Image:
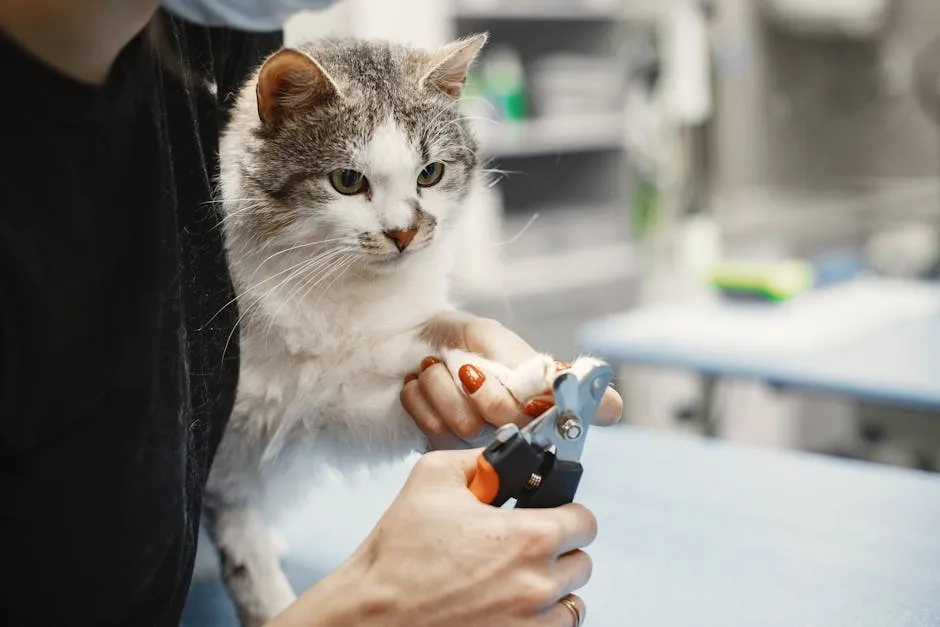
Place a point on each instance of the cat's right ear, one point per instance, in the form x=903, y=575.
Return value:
x=291, y=82
x=450, y=64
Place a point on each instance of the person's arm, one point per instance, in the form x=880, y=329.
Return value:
x=440, y=558
x=79, y=39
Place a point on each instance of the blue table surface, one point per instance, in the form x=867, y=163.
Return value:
x=897, y=364
x=695, y=533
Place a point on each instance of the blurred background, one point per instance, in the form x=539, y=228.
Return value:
x=735, y=202
x=710, y=159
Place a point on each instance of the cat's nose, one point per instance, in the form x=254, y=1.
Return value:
x=401, y=238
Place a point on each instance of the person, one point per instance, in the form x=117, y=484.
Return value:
x=115, y=384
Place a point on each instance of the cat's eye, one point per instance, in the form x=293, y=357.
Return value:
x=431, y=174
x=348, y=182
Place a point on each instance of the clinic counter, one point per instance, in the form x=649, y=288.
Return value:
x=695, y=533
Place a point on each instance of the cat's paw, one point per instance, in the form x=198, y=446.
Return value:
x=534, y=378
x=530, y=379
x=455, y=359
x=584, y=364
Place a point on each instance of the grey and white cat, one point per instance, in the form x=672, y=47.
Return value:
x=345, y=172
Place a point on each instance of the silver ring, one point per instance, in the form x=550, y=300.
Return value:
x=573, y=608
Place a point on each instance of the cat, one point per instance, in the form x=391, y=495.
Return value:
x=345, y=172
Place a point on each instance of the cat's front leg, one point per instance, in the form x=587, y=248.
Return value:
x=250, y=561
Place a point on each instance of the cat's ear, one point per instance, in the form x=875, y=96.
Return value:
x=449, y=65
x=291, y=82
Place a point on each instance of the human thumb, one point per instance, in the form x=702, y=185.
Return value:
x=448, y=467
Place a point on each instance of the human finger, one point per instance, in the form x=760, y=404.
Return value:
x=573, y=571
x=456, y=467
x=610, y=409
x=420, y=410
x=570, y=611
x=575, y=524
x=451, y=406
x=489, y=398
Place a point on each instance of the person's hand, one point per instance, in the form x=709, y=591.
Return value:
x=442, y=410
x=440, y=558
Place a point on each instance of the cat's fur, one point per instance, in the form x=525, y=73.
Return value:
x=332, y=316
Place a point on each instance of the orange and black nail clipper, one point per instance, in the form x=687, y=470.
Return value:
x=540, y=464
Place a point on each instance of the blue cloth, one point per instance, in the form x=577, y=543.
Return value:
x=894, y=362
x=246, y=15
x=692, y=534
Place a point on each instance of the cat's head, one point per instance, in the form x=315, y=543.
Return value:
x=357, y=145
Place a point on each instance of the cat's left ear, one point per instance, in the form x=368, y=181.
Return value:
x=291, y=82
x=450, y=64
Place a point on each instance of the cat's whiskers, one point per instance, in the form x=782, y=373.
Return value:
x=501, y=171
x=500, y=175
x=322, y=265
x=307, y=265
x=352, y=260
x=483, y=118
x=299, y=269
x=319, y=274
x=243, y=207
x=338, y=269
x=234, y=214
x=219, y=201
x=522, y=231
x=345, y=239
x=300, y=266
x=254, y=287
x=315, y=280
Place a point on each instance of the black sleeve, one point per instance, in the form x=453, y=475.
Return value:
x=113, y=389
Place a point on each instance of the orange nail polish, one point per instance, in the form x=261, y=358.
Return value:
x=428, y=362
x=562, y=365
x=536, y=407
x=410, y=377
x=471, y=378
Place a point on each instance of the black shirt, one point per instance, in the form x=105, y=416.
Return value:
x=114, y=385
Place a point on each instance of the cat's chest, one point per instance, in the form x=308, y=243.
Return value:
x=342, y=369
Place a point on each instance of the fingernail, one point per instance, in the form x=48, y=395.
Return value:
x=562, y=365
x=537, y=407
x=428, y=362
x=471, y=378
x=410, y=377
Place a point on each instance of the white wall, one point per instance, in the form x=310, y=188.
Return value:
x=800, y=114
x=424, y=23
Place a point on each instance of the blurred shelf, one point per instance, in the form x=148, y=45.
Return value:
x=553, y=135
x=576, y=245
x=568, y=11
x=570, y=269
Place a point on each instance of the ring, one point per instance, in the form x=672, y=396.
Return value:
x=573, y=608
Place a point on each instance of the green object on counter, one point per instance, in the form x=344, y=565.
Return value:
x=503, y=81
x=514, y=104
x=771, y=280
x=645, y=207
x=507, y=100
